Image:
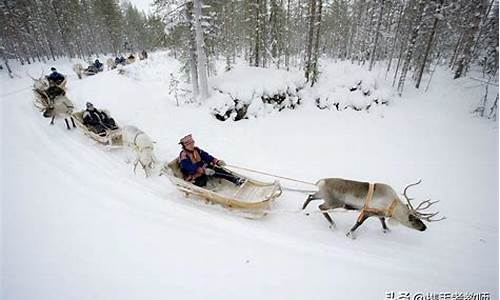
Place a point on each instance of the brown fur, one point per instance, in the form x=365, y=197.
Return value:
x=350, y=194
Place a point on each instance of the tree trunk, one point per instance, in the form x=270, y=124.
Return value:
x=398, y=27
x=315, y=63
x=310, y=38
x=192, y=50
x=377, y=31
x=6, y=62
x=482, y=25
x=287, y=47
x=470, y=34
x=411, y=46
x=202, y=59
x=455, y=52
x=257, y=34
x=429, y=43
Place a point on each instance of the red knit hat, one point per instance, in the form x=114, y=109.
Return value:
x=186, y=140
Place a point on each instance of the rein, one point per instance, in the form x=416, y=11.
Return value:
x=268, y=174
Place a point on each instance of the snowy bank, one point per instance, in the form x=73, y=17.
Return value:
x=343, y=85
x=251, y=91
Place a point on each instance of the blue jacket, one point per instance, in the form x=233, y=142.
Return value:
x=56, y=77
x=193, y=163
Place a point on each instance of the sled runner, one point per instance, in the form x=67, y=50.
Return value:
x=252, y=196
x=111, y=138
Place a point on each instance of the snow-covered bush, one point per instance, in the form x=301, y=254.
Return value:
x=251, y=92
x=347, y=86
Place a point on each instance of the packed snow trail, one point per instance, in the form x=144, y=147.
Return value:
x=78, y=224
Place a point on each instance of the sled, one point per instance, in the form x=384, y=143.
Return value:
x=87, y=72
x=111, y=138
x=253, y=197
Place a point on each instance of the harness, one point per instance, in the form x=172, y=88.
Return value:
x=386, y=212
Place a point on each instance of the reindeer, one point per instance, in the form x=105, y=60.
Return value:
x=141, y=145
x=78, y=69
x=61, y=105
x=371, y=199
x=110, y=63
x=40, y=86
x=130, y=59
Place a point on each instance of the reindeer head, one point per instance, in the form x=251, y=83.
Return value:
x=49, y=111
x=416, y=214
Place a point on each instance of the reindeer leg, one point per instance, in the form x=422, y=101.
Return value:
x=329, y=219
x=309, y=199
x=73, y=122
x=67, y=124
x=135, y=165
x=52, y=121
x=323, y=207
x=385, y=229
x=360, y=221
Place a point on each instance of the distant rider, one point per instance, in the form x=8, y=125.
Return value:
x=197, y=165
x=97, y=120
x=55, y=77
x=98, y=65
x=120, y=60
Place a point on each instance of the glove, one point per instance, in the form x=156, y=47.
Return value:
x=209, y=172
x=221, y=163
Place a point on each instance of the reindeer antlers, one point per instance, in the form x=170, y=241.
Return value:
x=406, y=196
x=418, y=211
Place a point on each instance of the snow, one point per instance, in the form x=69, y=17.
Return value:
x=348, y=85
x=248, y=86
x=77, y=223
x=246, y=83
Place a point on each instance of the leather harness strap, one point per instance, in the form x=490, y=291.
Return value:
x=387, y=212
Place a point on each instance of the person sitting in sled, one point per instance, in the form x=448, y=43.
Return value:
x=98, y=120
x=120, y=60
x=98, y=65
x=55, y=77
x=198, y=166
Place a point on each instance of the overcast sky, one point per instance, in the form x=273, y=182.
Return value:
x=142, y=5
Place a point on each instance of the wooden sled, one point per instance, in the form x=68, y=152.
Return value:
x=252, y=198
x=112, y=137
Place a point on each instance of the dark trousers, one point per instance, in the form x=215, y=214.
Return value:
x=219, y=173
x=100, y=128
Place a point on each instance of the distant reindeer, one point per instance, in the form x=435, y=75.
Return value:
x=143, y=55
x=142, y=145
x=110, y=63
x=78, y=69
x=61, y=105
x=130, y=59
x=371, y=199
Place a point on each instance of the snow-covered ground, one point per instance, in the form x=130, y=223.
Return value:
x=77, y=223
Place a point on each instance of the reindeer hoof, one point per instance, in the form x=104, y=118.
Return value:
x=386, y=230
x=350, y=235
x=332, y=226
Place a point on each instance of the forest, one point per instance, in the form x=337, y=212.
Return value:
x=410, y=37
